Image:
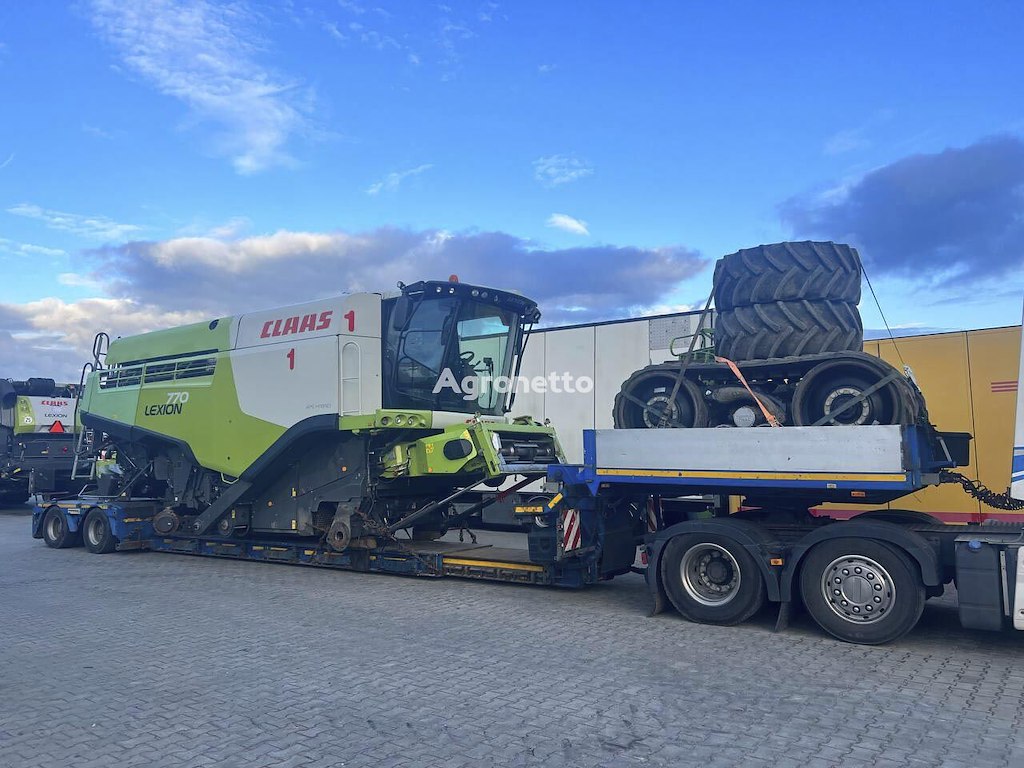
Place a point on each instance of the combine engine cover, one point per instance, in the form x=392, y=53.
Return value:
x=346, y=418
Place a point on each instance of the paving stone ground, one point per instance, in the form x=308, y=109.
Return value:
x=151, y=659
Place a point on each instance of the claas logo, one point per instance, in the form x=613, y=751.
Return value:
x=285, y=326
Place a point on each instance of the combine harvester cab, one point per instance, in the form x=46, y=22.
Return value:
x=339, y=421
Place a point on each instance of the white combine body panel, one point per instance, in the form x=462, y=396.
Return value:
x=1017, y=468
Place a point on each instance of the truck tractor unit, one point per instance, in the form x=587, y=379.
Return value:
x=37, y=425
x=334, y=420
x=787, y=350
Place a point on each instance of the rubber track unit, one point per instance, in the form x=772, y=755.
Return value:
x=788, y=329
x=761, y=373
x=787, y=272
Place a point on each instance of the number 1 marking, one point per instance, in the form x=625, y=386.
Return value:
x=351, y=317
x=291, y=359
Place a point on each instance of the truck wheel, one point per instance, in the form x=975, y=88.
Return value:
x=711, y=579
x=861, y=590
x=98, y=537
x=56, y=532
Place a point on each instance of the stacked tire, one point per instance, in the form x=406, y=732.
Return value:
x=788, y=299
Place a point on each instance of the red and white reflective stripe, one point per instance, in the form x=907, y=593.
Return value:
x=572, y=535
x=652, y=516
x=1004, y=386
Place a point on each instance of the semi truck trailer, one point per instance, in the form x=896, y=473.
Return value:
x=317, y=435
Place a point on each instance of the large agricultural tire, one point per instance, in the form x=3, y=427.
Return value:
x=712, y=579
x=787, y=272
x=862, y=590
x=788, y=329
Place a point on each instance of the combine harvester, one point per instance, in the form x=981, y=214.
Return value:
x=37, y=430
x=318, y=435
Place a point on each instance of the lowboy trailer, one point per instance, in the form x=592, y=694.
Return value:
x=864, y=580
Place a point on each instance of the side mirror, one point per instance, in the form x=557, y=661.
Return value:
x=401, y=314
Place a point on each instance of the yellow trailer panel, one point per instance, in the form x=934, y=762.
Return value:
x=969, y=380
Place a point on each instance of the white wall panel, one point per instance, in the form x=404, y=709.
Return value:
x=570, y=351
x=620, y=349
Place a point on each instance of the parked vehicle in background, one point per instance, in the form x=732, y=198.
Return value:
x=37, y=431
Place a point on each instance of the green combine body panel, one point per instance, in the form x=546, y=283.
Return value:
x=325, y=418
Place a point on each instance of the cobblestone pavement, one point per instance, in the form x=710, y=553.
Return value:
x=147, y=659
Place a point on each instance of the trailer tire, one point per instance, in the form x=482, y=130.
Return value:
x=787, y=272
x=862, y=590
x=788, y=329
x=712, y=579
x=96, y=533
x=56, y=532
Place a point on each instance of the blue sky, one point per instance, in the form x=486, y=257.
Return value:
x=198, y=158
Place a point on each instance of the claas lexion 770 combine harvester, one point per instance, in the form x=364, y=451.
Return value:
x=319, y=435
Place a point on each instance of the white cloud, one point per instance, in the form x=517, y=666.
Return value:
x=53, y=337
x=75, y=280
x=393, y=180
x=553, y=170
x=95, y=130
x=545, y=69
x=845, y=141
x=28, y=249
x=93, y=227
x=204, y=54
x=238, y=255
x=568, y=224
x=8, y=161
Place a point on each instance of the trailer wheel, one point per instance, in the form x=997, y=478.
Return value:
x=96, y=533
x=711, y=579
x=861, y=590
x=56, y=532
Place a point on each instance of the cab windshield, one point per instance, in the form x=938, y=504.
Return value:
x=451, y=353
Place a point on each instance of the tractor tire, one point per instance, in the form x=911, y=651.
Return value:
x=787, y=272
x=788, y=329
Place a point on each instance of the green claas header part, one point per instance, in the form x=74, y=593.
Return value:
x=320, y=419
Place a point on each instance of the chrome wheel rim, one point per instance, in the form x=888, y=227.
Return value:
x=858, y=589
x=94, y=531
x=53, y=527
x=710, y=574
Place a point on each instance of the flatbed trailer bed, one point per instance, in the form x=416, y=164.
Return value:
x=863, y=580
